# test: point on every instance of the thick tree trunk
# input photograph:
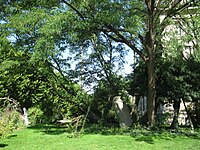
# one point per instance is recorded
(174, 124)
(151, 91)
(150, 49)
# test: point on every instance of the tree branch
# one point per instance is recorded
(173, 11)
(113, 38)
(127, 42)
(102, 62)
(73, 8)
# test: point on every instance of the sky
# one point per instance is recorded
(127, 66)
(129, 58)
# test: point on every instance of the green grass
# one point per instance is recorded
(54, 138)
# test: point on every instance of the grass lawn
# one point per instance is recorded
(54, 138)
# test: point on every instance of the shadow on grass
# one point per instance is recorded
(54, 132)
(195, 135)
(146, 139)
(150, 136)
(11, 136)
(3, 145)
(50, 129)
(46, 126)
(103, 130)
(140, 135)
(143, 135)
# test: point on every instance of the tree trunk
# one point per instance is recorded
(174, 124)
(151, 91)
(150, 49)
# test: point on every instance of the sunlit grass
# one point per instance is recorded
(54, 138)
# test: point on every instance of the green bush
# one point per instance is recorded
(35, 115)
(10, 120)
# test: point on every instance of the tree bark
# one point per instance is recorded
(150, 49)
(151, 92)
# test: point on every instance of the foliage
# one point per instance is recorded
(103, 97)
(37, 84)
(138, 80)
(10, 119)
(97, 29)
(35, 115)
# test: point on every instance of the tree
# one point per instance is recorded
(179, 55)
(37, 83)
(137, 24)
(121, 21)
(104, 60)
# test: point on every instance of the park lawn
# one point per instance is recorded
(58, 139)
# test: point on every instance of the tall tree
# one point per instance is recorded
(138, 24)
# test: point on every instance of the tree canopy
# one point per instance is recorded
(100, 30)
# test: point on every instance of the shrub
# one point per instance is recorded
(35, 115)
(10, 119)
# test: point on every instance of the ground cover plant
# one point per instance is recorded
(48, 137)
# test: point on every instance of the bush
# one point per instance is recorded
(35, 115)
(10, 119)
